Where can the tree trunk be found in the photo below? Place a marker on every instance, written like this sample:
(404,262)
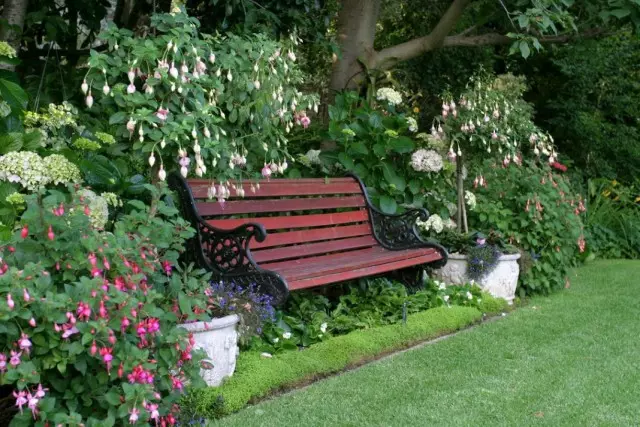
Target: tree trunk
(356,34)
(14,12)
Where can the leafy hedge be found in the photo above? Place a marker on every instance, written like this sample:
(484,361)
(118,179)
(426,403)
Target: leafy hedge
(257,376)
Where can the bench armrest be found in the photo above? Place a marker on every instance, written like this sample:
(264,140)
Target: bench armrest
(226,253)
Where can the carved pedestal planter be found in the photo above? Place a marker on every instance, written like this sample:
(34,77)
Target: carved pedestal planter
(501,282)
(219,339)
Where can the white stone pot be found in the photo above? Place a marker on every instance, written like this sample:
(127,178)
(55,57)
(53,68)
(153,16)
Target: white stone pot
(219,339)
(500,283)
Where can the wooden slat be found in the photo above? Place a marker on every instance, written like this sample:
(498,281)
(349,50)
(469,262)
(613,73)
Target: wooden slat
(319,266)
(361,272)
(286,188)
(297,221)
(293,264)
(314,235)
(297,251)
(278,205)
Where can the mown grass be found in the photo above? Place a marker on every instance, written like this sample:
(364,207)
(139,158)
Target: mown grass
(257,376)
(566,360)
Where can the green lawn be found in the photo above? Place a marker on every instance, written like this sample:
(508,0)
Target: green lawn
(570,359)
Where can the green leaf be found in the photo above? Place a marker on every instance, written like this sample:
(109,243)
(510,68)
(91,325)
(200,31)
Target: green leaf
(13,94)
(402,145)
(375,121)
(388,205)
(523,20)
(10,142)
(360,148)
(184,303)
(524,49)
(346,161)
(620,13)
(117,118)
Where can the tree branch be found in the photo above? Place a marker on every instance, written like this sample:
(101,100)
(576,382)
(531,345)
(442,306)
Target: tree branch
(387,58)
(500,39)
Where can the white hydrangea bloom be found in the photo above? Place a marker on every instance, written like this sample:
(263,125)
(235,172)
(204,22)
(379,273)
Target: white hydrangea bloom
(389,95)
(25,168)
(470,199)
(426,161)
(98,208)
(61,170)
(434,223)
(449,224)
(413,124)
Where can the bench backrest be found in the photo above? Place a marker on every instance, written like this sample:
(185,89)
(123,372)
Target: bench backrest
(303,217)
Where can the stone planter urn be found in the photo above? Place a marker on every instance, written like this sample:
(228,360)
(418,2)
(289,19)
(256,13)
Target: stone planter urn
(219,339)
(500,283)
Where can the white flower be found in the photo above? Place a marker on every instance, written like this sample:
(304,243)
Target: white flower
(323,328)
(469,295)
(434,223)
(413,124)
(286,335)
(441,286)
(446,298)
(470,199)
(266,355)
(275,340)
(390,95)
(426,161)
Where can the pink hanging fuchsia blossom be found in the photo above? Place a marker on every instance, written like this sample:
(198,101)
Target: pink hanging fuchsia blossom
(3,363)
(50,235)
(25,295)
(10,302)
(166,266)
(83,311)
(15,358)
(21,399)
(40,392)
(131,89)
(133,417)
(162,113)
(89,100)
(92,259)
(266,171)
(25,343)
(124,324)
(153,412)
(94,348)
(24,233)
(120,370)
(87,211)
(107,357)
(33,405)
(177,383)
(32,322)
(105,263)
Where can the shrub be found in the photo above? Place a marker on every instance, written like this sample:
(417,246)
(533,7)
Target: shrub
(197,102)
(87,334)
(536,210)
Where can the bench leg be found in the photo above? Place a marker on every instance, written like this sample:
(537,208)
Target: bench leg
(412,278)
(266,282)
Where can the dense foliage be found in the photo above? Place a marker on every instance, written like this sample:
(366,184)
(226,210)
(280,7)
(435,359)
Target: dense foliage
(536,210)
(89,334)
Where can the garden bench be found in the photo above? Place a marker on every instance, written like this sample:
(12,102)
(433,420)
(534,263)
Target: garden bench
(300,233)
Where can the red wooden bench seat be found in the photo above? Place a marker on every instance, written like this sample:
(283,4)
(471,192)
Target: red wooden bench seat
(301,233)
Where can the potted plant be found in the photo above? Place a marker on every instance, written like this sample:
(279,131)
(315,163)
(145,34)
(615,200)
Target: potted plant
(228,316)
(480,259)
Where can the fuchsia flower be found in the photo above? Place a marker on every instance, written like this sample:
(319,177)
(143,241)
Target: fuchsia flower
(50,234)
(40,392)
(32,322)
(107,357)
(25,343)
(133,418)
(166,265)
(3,363)
(162,113)
(21,399)
(25,295)
(266,171)
(153,412)
(10,302)
(124,324)
(140,375)
(15,358)
(83,311)
(177,383)
(24,233)
(94,348)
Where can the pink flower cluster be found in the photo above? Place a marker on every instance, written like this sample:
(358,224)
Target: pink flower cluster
(140,375)
(30,399)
